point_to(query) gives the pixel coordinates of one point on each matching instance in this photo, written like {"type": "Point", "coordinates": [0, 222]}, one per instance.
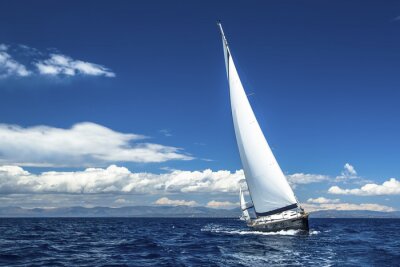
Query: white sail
{"type": "Point", "coordinates": [244, 206]}
{"type": "Point", "coordinates": [269, 190]}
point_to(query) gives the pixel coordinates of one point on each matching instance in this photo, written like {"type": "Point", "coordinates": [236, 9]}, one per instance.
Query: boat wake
{"type": "Point", "coordinates": [212, 228]}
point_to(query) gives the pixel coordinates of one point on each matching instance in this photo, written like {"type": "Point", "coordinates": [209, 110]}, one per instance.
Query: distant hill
{"type": "Point", "coordinates": [171, 211]}
{"type": "Point", "coordinates": [353, 214]}
{"type": "Point", "coordinates": [133, 211]}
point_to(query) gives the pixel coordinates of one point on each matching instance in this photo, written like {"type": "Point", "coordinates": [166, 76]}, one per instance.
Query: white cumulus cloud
{"type": "Point", "coordinates": [59, 64]}
{"type": "Point", "coordinates": [221, 204]}
{"type": "Point", "coordinates": [322, 200]}
{"type": "Point", "coordinates": [114, 179]}
{"type": "Point", "coordinates": [347, 206]}
{"type": "Point", "coordinates": [390, 187]}
{"type": "Point", "coordinates": [349, 172]}
{"type": "Point", "coordinates": [349, 169]}
{"type": "Point", "coordinates": [9, 66]}
{"type": "Point", "coordinates": [171, 202]}
{"type": "Point", "coordinates": [305, 178]}
{"type": "Point", "coordinates": [84, 144]}
{"type": "Point", "coordinates": [120, 201]}
{"type": "Point", "coordinates": [45, 64]}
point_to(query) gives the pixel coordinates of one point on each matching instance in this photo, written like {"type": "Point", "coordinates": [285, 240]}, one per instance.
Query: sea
{"type": "Point", "coordinates": [195, 242]}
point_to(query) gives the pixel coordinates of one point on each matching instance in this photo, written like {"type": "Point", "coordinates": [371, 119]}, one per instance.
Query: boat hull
{"type": "Point", "coordinates": [289, 224]}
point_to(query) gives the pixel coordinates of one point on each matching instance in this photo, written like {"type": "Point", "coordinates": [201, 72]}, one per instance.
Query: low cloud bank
{"type": "Point", "coordinates": [170, 202]}
{"type": "Point", "coordinates": [322, 200]}
{"type": "Point", "coordinates": [114, 179]}
{"type": "Point", "coordinates": [390, 187]}
{"type": "Point", "coordinates": [221, 204]}
{"type": "Point", "coordinates": [347, 206]}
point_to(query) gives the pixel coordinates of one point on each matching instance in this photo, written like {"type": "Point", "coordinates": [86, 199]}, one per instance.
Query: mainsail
{"type": "Point", "coordinates": [269, 190]}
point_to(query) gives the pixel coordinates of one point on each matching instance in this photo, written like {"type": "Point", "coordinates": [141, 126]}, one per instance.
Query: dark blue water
{"type": "Point", "coordinates": [195, 242]}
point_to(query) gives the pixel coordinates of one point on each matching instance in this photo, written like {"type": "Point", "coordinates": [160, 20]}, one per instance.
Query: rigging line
{"type": "Point", "coordinates": [247, 208]}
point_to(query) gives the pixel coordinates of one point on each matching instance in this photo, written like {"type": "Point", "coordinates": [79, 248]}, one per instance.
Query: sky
{"type": "Point", "coordinates": [119, 103]}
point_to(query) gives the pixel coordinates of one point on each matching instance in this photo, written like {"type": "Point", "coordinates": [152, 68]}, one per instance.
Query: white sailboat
{"type": "Point", "coordinates": [275, 204]}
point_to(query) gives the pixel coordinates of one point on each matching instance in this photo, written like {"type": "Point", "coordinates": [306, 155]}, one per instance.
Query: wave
{"type": "Point", "coordinates": [221, 242]}
{"type": "Point", "coordinates": [314, 232]}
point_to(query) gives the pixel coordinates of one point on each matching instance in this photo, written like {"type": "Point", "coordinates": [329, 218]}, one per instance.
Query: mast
{"type": "Point", "coordinates": [223, 35]}
{"type": "Point", "coordinates": [269, 190]}
{"type": "Point", "coordinates": [226, 48]}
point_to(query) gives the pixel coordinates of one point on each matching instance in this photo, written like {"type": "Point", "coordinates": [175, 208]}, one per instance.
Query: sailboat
{"type": "Point", "coordinates": [275, 205]}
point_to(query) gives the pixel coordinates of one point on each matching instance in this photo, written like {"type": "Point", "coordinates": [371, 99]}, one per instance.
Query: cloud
{"type": "Point", "coordinates": [59, 64]}
{"type": "Point", "coordinates": [84, 144]}
{"type": "Point", "coordinates": [349, 172]}
{"type": "Point", "coordinates": [304, 178]}
{"type": "Point", "coordinates": [166, 132]}
{"type": "Point", "coordinates": [322, 200]}
{"type": "Point", "coordinates": [390, 187]}
{"type": "Point", "coordinates": [347, 206]}
{"type": "Point", "coordinates": [120, 201]}
{"type": "Point", "coordinates": [43, 63]}
{"type": "Point", "coordinates": [170, 202]}
{"type": "Point", "coordinates": [114, 179]}
{"type": "Point", "coordinates": [9, 66]}
{"type": "Point", "coordinates": [221, 204]}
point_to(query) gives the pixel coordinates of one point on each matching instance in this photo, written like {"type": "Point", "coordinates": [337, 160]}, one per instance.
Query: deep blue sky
{"type": "Point", "coordinates": [325, 77]}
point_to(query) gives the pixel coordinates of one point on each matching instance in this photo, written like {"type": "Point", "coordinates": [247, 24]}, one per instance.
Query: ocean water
{"type": "Point", "coordinates": [195, 242]}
